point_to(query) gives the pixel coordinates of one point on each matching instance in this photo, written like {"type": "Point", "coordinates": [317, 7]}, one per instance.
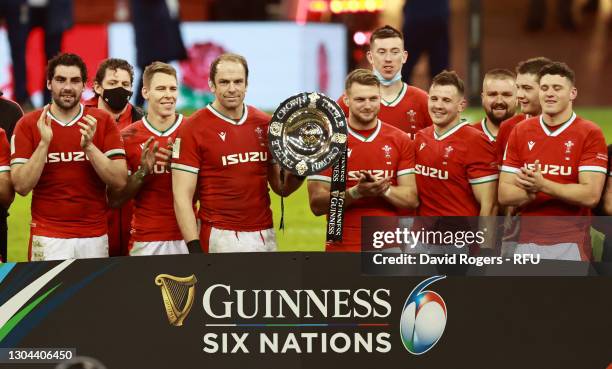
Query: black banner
{"type": "Point", "coordinates": [298, 310]}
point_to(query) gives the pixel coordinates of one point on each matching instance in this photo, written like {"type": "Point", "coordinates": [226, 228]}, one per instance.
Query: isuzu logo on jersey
{"type": "Point", "coordinates": [553, 170]}
{"type": "Point", "coordinates": [378, 174]}
{"type": "Point", "coordinates": [431, 172]}
{"type": "Point", "coordinates": [57, 157]}
{"type": "Point", "coordinates": [245, 157]}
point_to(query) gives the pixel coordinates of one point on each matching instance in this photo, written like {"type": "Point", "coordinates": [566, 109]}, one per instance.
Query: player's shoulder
{"type": "Point", "coordinates": [31, 117]}
{"type": "Point", "coordinates": [256, 116]}
{"type": "Point", "coordinates": [99, 114]}
{"type": "Point", "coordinates": [513, 120]}
{"type": "Point", "coordinates": [133, 131]}
{"type": "Point", "coordinates": [197, 120]}
{"type": "Point", "coordinates": [476, 125]}
{"type": "Point", "coordinates": [415, 92]}
{"type": "Point", "coordinates": [11, 105]}
{"type": "Point", "coordinates": [392, 132]}
{"type": "Point", "coordinates": [425, 133]}
{"type": "Point", "coordinates": [527, 124]}
{"type": "Point", "coordinates": [587, 125]}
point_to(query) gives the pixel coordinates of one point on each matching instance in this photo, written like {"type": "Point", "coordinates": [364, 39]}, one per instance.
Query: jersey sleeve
{"type": "Point", "coordinates": [5, 152]}
{"type": "Point", "coordinates": [511, 159]}
{"type": "Point", "coordinates": [609, 159]}
{"type": "Point", "coordinates": [22, 143]}
{"type": "Point", "coordinates": [185, 152]}
{"type": "Point", "coordinates": [502, 140]}
{"type": "Point", "coordinates": [112, 144]}
{"type": "Point", "coordinates": [406, 161]}
{"type": "Point", "coordinates": [482, 161]}
{"type": "Point", "coordinates": [594, 156]}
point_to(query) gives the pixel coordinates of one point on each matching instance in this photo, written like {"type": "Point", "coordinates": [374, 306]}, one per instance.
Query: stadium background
{"type": "Point", "coordinates": [484, 34]}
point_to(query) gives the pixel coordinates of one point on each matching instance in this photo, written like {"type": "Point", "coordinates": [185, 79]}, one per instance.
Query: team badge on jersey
{"type": "Point", "coordinates": [412, 114]}
{"type": "Point", "coordinates": [447, 151]}
{"type": "Point", "coordinates": [259, 132]}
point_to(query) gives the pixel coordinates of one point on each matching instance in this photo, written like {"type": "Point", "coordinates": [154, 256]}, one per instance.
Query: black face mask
{"type": "Point", "coordinates": [116, 98]}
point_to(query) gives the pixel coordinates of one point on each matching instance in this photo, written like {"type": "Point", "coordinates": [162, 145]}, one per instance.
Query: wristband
{"type": "Point", "coordinates": [194, 247]}
{"type": "Point", "coordinates": [388, 192]}
{"type": "Point", "coordinates": [354, 193]}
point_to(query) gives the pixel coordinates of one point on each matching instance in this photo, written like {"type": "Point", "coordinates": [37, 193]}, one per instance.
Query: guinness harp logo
{"type": "Point", "coordinates": [178, 295]}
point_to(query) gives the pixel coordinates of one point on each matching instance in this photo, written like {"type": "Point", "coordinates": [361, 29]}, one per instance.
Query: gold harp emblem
{"type": "Point", "coordinates": [178, 295]}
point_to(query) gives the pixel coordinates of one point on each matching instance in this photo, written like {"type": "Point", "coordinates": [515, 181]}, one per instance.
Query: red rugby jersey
{"type": "Point", "coordinates": [448, 165]}
{"type": "Point", "coordinates": [154, 218]}
{"type": "Point", "coordinates": [69, 200]}
{"type": "Point", "coordinates": [504, 133]}
{"type": "Point", "coordinates": [231, 159]}
{"type": "Point", "coordinates": [577, 145]}
{"type": "Point", "coordinates": [387, 152]}
{"type": "Point", "coordinates": [5, 152]}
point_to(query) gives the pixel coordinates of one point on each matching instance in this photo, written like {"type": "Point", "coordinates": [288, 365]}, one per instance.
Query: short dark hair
{"type": "Point", "coordinates": [558, 69]}
{"type": "Point", "coordinates": [449, 78]}
{"type": "Point", "coordinates": [361, 76]}
{"type": "Point", "coordinates": [385, 32]}
{"type": "Point", "coordinates": [113, 64]}
{"type": "Point", "coordinates": [157, 67]}
{"type": "Point", "coordinates": [66, 59]}
{"type": "Point", "coordinates": [532, 66]}
{"type": "Point", "coordinates": [231, 58]}
{"type": "Point", "coordinates": [500, 73]}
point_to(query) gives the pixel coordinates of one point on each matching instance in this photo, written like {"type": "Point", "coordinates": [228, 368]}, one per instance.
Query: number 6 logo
{"type": "Point", "coordinates": [423, 318]}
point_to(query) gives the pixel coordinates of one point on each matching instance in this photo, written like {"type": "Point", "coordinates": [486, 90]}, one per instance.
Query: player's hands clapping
{"type": "Point", "coordinates": [164, 154]}
{"type": "Point", "coordinates": [531, 180]}
{"type": "Point", "coordinates": [368, 186]}
{"type": "Point", "coordinates": [44, 126]}
{"type": "Point", "coordinates": [148, 156]}
{"type": "Point", "coordinates": [88, 130]}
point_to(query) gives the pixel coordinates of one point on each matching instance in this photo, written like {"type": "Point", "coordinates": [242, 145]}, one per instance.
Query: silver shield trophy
{"type": "Point", "coordinates": [308, 134]}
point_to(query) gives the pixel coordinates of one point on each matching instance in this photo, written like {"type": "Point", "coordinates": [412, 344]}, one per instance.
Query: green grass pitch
{"type": "Point", "coordinates": [303, 231]}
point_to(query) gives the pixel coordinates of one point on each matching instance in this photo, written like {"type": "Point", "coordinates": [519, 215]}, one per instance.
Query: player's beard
{"type": "Point", "coordinates": [58, 100]}
{"type": "Point", "coordinates": [498, 119]}
{"type": "Point", "coordinates": [362, 121]}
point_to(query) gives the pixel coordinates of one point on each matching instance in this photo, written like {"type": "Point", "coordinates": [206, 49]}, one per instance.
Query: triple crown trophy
{"type": "Point", "coordinates": [307, 135]}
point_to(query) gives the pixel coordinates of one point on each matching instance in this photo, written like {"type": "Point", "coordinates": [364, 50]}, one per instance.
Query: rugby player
{"type": "Point", "coordinates": [555, 165]}
{"type": "Point", "coordinates": [10, 113]}
{"type": "Point", "coordinates": [455, 164]}
{"type": "Point", "coordinates": [402, 106]}
{"type": "Point", "coordinates": [113, 89]}
{"type": "Point", "coordinates": [498, 101]}
{"type": "Point", "coordinates": [380, 164]}
{"type": "Point", "coordinates": [155, 230]}
{"type": "Point", "coordinates": [67, 154]}
{"type": "Point", "coordinates": [528, 97]}
{"type": "Point", "coordinates": [222, 153]}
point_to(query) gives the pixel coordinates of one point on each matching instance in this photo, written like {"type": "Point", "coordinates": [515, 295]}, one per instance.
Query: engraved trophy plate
{"type": "Point", "coordinates": [308, 133]}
